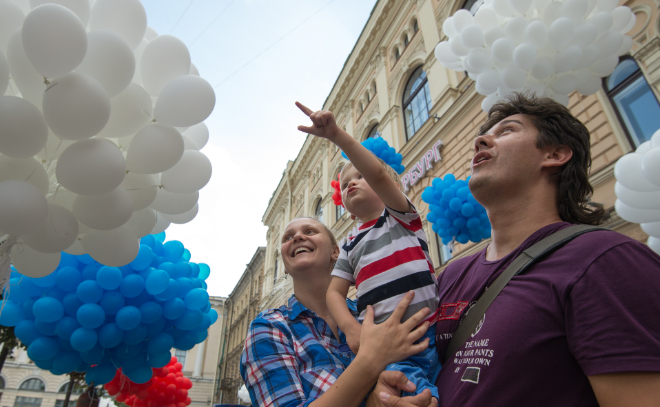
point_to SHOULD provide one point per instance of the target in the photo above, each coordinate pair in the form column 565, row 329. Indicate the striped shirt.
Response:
column 385, row 258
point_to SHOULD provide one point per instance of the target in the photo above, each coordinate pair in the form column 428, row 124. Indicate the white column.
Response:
column 199, row 360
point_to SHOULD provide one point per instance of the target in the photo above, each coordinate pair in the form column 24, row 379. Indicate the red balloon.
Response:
column 171, row 405
column 180, row 404
column 170, row 378
column 142, row 394
column 178, row 366
column 171, row 389
column 120, row 398
column 178, row 374
column 173, row 360
column 188, row 401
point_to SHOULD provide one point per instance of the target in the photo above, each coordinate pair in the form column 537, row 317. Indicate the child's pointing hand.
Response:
column 323, row 123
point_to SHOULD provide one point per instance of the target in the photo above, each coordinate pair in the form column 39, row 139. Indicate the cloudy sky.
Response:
column 261, row 56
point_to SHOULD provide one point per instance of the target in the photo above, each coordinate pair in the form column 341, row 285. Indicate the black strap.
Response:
column 522, row 262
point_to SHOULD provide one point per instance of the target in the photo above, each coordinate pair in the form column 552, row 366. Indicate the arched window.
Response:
column 473, row 5
column 634, row 101
column 416, row 102
column 318, row 212
column 361, row 107
column 397, row 54
column 77, row 389
column 27, row 402
column 339, row 211
column 33, row 385
column 373, row 87
column 415, row 27
column 374, row 132
column 368, row 97
column 406, row 40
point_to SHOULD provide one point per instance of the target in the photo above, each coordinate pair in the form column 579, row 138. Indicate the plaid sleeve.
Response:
column 269, row 366
column 343, row 267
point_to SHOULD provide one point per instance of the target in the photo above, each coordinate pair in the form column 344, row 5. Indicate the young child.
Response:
column 385, row 256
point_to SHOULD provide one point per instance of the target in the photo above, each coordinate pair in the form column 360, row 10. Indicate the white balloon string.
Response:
column 5, row 267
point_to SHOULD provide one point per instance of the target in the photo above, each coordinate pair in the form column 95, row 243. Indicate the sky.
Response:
column 261, row 56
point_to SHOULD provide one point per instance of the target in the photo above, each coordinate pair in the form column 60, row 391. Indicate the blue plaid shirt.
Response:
column 291, row 357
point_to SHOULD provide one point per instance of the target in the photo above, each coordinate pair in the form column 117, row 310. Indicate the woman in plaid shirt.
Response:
column 296, row 356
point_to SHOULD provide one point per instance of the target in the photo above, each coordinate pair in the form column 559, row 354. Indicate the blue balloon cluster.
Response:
column 379, row 146
column 92, row 318
column 454, row 212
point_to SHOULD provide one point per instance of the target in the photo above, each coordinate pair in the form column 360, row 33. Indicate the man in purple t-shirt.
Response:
column 581, row 327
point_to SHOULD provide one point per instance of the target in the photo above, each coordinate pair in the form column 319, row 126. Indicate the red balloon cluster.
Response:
column 336, row 197
column 166, row 388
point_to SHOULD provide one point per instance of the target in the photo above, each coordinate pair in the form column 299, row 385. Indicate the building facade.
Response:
column 23, row 384
column 392, row 84
column 242, row 306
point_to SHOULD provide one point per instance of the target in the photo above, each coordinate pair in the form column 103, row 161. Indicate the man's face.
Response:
column 506, row 159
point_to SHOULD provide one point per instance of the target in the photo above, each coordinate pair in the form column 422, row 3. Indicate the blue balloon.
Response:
column 170, row 268
column 448, row 194
column 83, row 339
column 89, row 271
column 54, row 292
column 102, row 373
column 90, row 316
column 143, row 259
column 455, row 204
column 184, row 269
column 71, row 304
column 145, row 274
column 27, row 309
column 159, row 360
column 449, row 214
column 185, row 286
column 204, row 271
column 44, row 364
column 124, row 351
column 46, row 281
column 43, row 348
column 136, row 335
column 67, row 362
column 160, row 237
column 12, row 314
column 204, row 285
column 16, row 291
column 65, row 327
column 174, row 308
column 189, row 320
column 109, row 278
column 65, row 345
column 195, row 270
column 68, row 260
column 93, row 356
column 156, row 328
column 132, row 286
column 172, row 289
column 197, row 299
column 173, row 250
column 200, row 336
column 128, row 318
column 467, row 209
column 89, row 291
column 112, row 302
column 186, row 255
column 157, row 282
column 158, row 249
column 26, row 331
column 110, row 335
column 140, row 375
column 48, row 309
column 161, row 343
column 148, row 240
column 214, row 315
column 45, row 328
column 459, row 222
column 184, row 342
column 463, row 238
column 473, row 223
column 68, row 278
column 151, row 312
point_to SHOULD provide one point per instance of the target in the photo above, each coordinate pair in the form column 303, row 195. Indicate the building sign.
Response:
column 419, row 169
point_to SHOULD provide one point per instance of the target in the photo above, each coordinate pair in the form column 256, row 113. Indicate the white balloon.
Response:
column 457, row 46
column 58, row 232
column 479, row 59
column 503, row 8
column 184, row 217
column 644, row 148
column 24, row 169
column 62, row 197
column 655, row 139
column 76, row 106
column 489, row 81
column 513, row 77
column 104, row 212
column 654, row 244
column 170, row 203
column 486, row 18
column 636, row 215
column 536, row 33
column 502, row 50
column 142, row 222
column 635, row 199
column 584, row 35
column 521, row 6
column 567, row 58
column 155, row 148
column 560, row 32
column 561, row 99
column 515, row 29
column 651, row 229
column 53, row 148
column 493, row 34
column 91, row 167
column 565, row 84
column 488, row 102
column 29, row 82
column 620, row 18
column 4, row 73
column 23, row 130
column 462, row 19
column 609, row 43
column 11, row 18
column 524, row 56
column 630, row 25
column 591, row 86
column 165, row 58
column 22, row 207
column 54, row 39
column 142, row 188
column 76, row 248
column 626, row 44
column 651, row 166
column 198, row 134
column 628, row 171
column 603, row 22
column 443, row 53
column 109, row 60
column 605, row 66
column 150, row 34
column 32, row 263
column 189, row 144
column 589, row 56
column 114, row 248
column 472, row 37
column 130, row 111
column 552, row 12
column 448, row 28
column 80, row 7
column 190, row 174
column 574, row 9
column 125, row 17
column 137, row 52
column 161, row 224
column 185, row 101
column 193, row 70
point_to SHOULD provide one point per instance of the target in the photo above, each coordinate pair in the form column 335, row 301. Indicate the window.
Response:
column 27, row 402
column 373, row 87
column 2, row 383
column 77, row 389
column 374, row 132
column 368, row 98
column 443, row 249
column 60, row 403
column 416, row 102
column 473, row 5
column 361, row 107
column 33, row 385
column 339, row 211
column 318, row 212
column 406, row 40
column 634, row 101
column 275, row 270
column 181, row 357
column 415, row 27
column 397, row 54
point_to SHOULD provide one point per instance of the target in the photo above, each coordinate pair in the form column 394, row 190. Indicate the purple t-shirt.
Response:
column 590, row 307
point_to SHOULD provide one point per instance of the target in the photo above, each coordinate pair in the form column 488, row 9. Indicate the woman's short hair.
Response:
column 327, row 231
column 556, row 126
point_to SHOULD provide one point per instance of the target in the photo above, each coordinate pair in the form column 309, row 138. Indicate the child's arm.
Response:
column 336, row 301
column 324, row 125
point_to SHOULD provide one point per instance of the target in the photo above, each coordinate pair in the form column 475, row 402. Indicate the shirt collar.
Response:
column 296, row 308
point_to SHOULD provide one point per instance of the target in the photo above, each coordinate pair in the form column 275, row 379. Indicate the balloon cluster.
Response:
column 244, row 395
column 454, row 212
column 167, row 388
column 100, row 127
column 637, row 188
column 548, row 47
column 382, row 150
column 336, row 196
column 93, row 318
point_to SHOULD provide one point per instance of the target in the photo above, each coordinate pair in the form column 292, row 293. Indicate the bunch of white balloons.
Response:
column 551, row 48
column 100, row 131
column 244, row 395
column 637, row 188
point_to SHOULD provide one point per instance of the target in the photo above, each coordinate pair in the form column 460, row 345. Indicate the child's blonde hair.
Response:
column 390, row 171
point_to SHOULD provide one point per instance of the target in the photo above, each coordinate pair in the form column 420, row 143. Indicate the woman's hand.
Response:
column 388, row 391
column 392, row 340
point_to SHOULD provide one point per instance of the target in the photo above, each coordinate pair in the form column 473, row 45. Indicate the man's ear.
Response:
column 335, row 254
column 557, row 156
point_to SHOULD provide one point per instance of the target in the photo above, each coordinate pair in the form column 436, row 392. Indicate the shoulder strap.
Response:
column 523, row 261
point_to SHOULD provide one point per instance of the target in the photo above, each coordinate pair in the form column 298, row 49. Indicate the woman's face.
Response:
column 305, row 245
